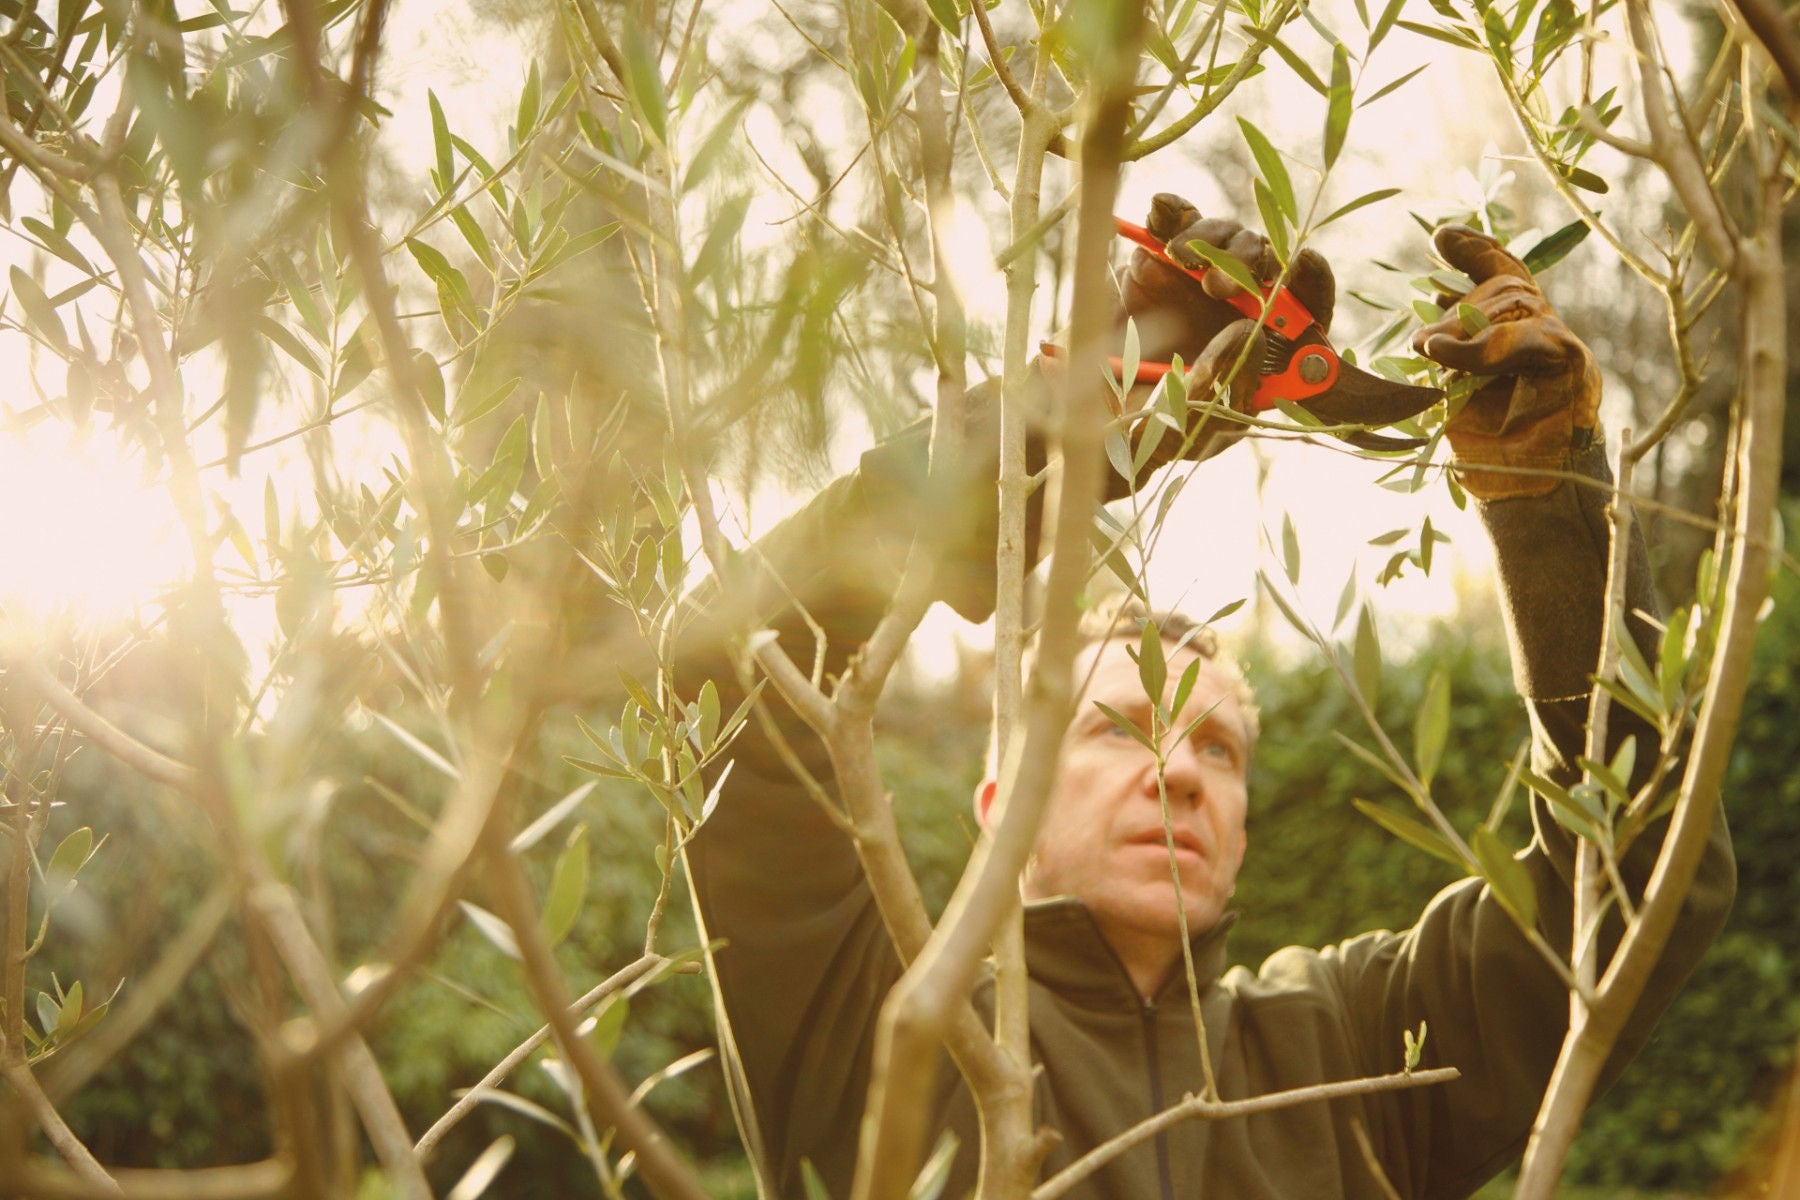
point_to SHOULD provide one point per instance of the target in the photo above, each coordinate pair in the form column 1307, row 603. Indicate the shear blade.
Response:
column 1362, row 439
column 1359, row 398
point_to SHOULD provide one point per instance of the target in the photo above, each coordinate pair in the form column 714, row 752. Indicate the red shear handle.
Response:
column 1285, row 314
column 1313, row 371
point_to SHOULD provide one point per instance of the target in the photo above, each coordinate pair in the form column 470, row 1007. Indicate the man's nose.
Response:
column 1181, row 772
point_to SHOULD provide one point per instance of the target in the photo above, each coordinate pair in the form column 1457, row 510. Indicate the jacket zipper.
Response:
column 1153, row 1071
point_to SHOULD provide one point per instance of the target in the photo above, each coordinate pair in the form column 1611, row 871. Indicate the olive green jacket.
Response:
column 806, row 961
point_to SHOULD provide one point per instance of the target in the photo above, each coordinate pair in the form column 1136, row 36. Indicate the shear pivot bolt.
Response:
column 1314, row 368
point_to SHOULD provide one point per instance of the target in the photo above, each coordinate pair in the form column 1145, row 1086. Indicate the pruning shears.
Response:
column 1299, row 365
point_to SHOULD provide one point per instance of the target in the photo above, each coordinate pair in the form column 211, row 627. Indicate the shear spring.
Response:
column 1278, row 352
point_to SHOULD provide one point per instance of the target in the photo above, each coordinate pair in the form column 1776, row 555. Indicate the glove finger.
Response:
column 1494, row 295
column 1169, row 215
column 1174, row 313
column 1501, row 299
column 1476, row 254
column 1214, row 231
column 1313, row 285
column 1148, row 282
column 1248, row 247
column 1256, row 252
column 1240, row 340
column 1510, row 348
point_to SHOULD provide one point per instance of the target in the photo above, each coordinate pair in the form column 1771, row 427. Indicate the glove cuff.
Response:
column 1496, row 469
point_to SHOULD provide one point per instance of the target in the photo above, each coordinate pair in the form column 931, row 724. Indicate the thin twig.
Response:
column 1587, row 887
column 1631, row 147
column 465, row 1104
column 1024, row 103
column 1211, row 31
column 1554, row 176
column 1373, row 1161
column 1178, row 128
column 1193, row 1108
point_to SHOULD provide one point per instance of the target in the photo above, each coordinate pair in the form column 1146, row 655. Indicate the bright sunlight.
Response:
column 89, row 533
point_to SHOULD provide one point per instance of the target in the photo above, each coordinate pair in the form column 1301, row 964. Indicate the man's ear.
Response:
column 985, row 791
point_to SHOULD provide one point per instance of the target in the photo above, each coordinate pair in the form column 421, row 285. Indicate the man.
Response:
column 807, row 962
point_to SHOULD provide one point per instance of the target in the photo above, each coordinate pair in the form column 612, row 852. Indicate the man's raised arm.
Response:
column 1528, row 447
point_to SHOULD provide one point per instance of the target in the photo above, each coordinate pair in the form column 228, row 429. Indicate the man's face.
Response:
column 1103, row 838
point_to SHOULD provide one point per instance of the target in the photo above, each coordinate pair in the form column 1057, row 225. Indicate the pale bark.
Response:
column 1756, row 266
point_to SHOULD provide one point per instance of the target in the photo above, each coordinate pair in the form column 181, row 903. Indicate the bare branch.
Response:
column 658, row 1161
column 948, row 338
column 270, row 1179
column 87, row 1168
column 933, row 988
column 1774, row 28
column 357, row 1068
column 1194, row 1108
column 1013, row 1163
column 416, row 919
column 1025, row 104
column 42, row 161
column 1757, row 268
column 1674, row 153
column 104, row 733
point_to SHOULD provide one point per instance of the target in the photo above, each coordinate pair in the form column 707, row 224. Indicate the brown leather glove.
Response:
column 1544, row 401
column 1176, row 314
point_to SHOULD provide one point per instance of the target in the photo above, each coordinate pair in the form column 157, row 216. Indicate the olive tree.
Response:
column 503, row 518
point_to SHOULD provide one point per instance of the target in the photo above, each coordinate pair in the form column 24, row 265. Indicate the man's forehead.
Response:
column 1111, row 665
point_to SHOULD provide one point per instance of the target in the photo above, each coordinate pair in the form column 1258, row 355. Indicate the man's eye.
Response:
column 1218, row 750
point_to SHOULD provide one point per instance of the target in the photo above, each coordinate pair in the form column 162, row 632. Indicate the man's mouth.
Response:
column 1184, row 839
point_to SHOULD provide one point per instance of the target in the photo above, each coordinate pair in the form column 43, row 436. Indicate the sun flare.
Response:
column 88, row 533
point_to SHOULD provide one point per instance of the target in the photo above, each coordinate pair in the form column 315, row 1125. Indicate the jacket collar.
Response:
column 1065, row 951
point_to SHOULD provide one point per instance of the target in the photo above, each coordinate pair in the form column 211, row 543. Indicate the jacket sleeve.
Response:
column 805, row 960
column 1496, row 1011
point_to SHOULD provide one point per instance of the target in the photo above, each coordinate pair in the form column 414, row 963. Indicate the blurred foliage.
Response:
column 190, row 1093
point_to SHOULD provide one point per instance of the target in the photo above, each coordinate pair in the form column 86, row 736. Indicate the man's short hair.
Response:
column 1121, row 618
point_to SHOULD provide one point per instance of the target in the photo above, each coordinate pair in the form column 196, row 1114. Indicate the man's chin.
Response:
column 1155, row 915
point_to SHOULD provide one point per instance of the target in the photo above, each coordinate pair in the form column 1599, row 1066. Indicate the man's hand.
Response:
column 1544, row 400
column 1175, row 314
